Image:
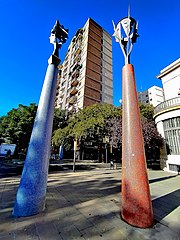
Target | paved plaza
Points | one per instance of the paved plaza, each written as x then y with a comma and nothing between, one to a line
86,205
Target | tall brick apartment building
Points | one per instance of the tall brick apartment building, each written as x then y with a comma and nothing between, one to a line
85,76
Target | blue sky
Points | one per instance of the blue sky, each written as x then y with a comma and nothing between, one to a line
24,41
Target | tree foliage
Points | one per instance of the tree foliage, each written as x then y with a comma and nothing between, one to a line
147,111
88,124
60,119
16,126
94,122
152,139
115,132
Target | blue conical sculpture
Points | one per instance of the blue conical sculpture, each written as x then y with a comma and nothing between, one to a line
30,199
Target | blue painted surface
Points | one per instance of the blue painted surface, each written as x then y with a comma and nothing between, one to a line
61,152
31,193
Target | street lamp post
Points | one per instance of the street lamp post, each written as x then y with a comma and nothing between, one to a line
75,151
106,142
136,201
30,198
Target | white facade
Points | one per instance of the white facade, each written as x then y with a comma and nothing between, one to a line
170,77
167,114
153,95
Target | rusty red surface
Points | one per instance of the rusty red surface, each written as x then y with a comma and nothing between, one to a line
136,200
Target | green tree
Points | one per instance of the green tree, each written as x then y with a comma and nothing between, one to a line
147,111
88,124
92,123
60,119
152,139
16,126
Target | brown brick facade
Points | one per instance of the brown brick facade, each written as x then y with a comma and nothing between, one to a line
95,35
92,92
93,84
93,58
90,101
94,48
94,66
93,74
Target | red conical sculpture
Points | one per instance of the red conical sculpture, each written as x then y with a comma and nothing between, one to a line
136,200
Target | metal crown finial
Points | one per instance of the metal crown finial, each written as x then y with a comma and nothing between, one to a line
125,32
58,36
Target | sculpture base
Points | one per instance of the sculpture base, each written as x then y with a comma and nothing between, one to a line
32,206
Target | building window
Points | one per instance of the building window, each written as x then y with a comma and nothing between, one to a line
173,167
172,134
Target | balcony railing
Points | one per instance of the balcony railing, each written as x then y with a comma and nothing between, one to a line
73,90
167,105
74,82
72,100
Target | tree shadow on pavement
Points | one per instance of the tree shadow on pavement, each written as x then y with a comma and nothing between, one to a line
78,206
161,179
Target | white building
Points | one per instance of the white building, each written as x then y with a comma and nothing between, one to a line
86,74
167,114
153,95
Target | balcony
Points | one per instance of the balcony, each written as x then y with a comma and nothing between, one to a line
71,108
74,82
77,59
62,88
76,66
77,51
73,90
167,105
75,74
72,100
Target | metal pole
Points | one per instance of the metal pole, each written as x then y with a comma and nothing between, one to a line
74,159
106,153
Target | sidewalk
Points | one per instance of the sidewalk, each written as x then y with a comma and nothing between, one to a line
86,205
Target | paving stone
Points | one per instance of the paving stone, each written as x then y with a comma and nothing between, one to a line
47,230
7,236
29,232
92,233
86,205
163,232
69,232
173,221
114,234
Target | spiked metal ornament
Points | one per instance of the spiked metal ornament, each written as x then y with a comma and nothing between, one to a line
125,32
58,36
